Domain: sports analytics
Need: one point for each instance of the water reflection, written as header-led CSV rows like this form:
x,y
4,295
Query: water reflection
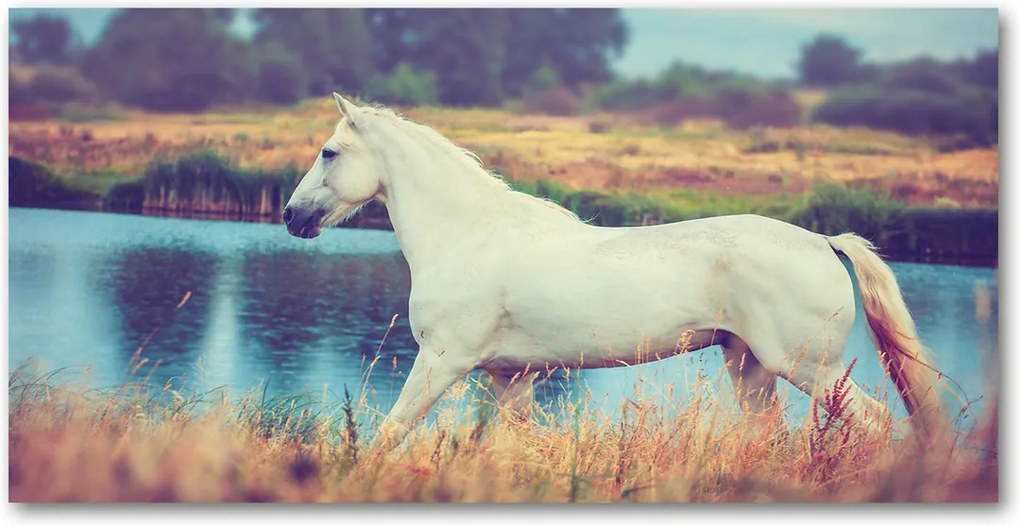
x,y
321,319
147,285
91,288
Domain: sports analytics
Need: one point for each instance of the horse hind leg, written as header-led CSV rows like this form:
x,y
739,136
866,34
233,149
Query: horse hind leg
x,y
815,372
755,388
754,384
820,380
514,394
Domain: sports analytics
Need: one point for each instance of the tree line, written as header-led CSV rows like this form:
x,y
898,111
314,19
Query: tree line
x,y
957,101
188,59
554,61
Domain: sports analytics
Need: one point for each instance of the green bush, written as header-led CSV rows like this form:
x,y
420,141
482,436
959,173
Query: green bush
x,y
52,85
404,86
739,108
971,112
31,185
557,100
126,197
622,95
684,91
940,234
833,209
923,74
680,80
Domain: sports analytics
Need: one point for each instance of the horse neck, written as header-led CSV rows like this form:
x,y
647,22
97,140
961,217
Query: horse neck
x,y
434,200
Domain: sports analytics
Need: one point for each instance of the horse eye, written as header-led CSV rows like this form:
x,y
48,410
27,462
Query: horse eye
x,y
327,153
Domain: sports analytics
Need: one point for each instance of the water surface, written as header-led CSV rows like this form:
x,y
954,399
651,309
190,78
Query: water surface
x,y
265,309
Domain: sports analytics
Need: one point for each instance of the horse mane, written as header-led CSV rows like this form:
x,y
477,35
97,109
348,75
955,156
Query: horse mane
x,y
463,156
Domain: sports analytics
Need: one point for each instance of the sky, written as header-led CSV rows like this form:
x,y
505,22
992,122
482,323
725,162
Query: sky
x,y
762,42
767,42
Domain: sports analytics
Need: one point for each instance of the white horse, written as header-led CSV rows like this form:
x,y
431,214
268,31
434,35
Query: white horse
x,y
506,282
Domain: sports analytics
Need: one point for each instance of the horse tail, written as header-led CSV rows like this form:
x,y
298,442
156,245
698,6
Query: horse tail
x,y
892,329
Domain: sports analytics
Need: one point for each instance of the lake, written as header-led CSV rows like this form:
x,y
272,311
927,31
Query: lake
x,y
266,310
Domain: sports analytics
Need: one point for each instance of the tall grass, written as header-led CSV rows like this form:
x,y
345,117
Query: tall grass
x,y
71,443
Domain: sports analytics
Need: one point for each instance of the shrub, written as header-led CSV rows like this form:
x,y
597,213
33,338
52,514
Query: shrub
x,y
126,197
923,74
51,85
404,86
31,185
833,209
556,100
943,234
738,108
972,113
679,80
629,96
745,109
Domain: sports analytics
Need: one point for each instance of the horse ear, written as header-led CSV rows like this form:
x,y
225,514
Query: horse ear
x,y
352,112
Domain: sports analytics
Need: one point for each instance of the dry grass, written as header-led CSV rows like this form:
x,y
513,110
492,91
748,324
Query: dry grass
x,y
600,151
136,444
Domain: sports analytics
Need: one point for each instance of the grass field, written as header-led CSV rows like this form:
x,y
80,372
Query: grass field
x,y
94,150
70,443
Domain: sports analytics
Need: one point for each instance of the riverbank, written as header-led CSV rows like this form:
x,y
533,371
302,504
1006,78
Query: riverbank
x,y
206,185
602,152
917,201
71,443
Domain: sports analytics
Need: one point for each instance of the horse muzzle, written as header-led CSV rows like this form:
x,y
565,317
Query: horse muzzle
x,y
303,224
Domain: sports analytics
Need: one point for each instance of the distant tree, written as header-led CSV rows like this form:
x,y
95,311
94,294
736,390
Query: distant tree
x,y
983,70
281,77
171,60
971,113
480,56
333,46
577,43
923,74
463,47
42,39
829,61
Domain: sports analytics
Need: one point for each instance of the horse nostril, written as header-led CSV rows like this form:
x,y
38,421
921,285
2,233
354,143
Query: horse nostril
x,y
288,214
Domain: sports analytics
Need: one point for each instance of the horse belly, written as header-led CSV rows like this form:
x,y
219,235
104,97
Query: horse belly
x,y
608,318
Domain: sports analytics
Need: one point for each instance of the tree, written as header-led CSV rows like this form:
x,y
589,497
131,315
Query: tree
x,y
923,74
463,47
983,70
829,61
171,60
481,55
333,46
576,43
281,77
45,39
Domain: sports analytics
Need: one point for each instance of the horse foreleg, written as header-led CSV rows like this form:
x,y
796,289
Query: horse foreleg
x,y
429,378
515,395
